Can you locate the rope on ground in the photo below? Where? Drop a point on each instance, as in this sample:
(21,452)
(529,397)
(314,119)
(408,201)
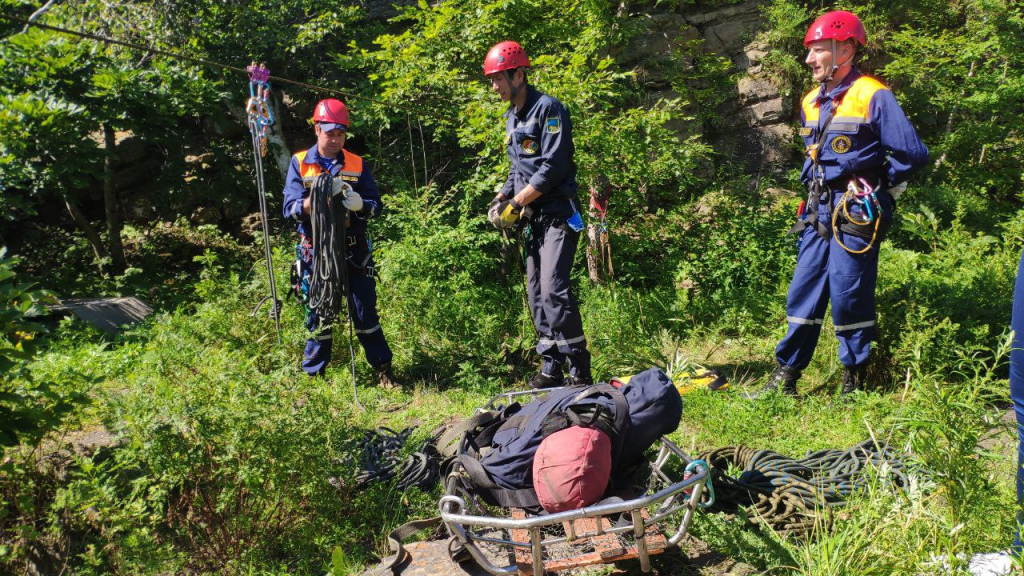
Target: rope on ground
(380,461)
(793,496)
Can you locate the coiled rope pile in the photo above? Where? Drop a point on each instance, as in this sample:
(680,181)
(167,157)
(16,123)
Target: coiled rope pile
(380,461)
(329,281)
(795,497)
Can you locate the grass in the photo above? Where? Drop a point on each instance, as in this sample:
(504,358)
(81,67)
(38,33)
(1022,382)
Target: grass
(225,446)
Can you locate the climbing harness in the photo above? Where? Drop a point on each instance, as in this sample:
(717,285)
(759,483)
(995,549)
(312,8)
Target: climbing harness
(599,205)
(328,285)
(794,496)
(861,193)
(808,213)
(259,118)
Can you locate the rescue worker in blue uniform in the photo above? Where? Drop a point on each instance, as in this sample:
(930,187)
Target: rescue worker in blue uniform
(331,121)
(861,149)
(540,194)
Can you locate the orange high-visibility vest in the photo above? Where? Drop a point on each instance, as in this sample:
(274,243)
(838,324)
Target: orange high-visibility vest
(350,172)
(853,109)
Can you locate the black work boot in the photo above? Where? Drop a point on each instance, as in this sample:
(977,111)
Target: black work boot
(542,380)
(782,381)
(385,379)
(853,379)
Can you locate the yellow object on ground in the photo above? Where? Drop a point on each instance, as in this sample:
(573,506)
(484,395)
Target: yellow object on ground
(712,380)
(687,382)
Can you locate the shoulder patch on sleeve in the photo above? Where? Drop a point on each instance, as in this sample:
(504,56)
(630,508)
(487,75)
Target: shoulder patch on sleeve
(553,125)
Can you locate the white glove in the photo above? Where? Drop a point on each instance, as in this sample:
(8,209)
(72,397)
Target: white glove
(338,186)
(352,201)
(897,190)
(492,214)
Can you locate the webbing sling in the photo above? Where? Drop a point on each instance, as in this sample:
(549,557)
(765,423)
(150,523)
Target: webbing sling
(396,562)
(814,190)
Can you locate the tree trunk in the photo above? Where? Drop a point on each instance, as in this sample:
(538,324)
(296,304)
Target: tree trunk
(98,249)
(275,139)
(111,204)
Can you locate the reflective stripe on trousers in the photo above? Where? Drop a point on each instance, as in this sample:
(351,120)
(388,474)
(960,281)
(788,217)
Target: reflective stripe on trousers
(550,250)
(826,272)
(362,305)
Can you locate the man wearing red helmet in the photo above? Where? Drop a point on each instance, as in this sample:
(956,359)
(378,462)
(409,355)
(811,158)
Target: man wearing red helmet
(861,149)
(331,122)
(541,192)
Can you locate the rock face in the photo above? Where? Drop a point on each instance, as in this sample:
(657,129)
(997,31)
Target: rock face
(756,122)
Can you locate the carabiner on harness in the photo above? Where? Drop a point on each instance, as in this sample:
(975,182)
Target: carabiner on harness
(859,191)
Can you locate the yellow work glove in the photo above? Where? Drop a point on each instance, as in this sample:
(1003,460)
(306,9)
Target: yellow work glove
(508,213)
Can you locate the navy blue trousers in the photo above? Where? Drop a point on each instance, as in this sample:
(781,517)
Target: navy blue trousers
(362,306)
(826,272)
(550,250)
(1017,390)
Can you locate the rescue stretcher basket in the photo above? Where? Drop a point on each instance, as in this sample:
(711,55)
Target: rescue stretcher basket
(507,541)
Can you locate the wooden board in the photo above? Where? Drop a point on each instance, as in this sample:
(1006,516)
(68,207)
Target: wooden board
(607,548)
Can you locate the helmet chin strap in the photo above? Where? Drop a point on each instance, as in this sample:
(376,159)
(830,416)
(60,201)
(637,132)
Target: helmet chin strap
(512,89)
(835,66)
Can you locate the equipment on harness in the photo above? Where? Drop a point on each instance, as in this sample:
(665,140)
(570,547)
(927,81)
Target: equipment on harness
(843,221)
(816,187)
(497,448)
(259,117)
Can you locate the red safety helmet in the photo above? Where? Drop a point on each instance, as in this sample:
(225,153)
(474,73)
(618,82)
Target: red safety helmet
(507,55)
(571,468)
(330,114)
(839,26)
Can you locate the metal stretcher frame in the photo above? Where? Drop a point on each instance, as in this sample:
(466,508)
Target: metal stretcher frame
(458,504)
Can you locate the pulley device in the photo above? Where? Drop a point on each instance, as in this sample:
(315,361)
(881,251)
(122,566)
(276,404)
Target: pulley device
(259,118)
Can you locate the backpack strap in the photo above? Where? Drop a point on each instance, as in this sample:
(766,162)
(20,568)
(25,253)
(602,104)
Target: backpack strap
(449,442)
(621,413)
(491,492)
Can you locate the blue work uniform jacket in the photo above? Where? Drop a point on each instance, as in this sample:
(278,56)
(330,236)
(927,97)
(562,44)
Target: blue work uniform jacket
(538,139)
(307,165)
(870,135)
